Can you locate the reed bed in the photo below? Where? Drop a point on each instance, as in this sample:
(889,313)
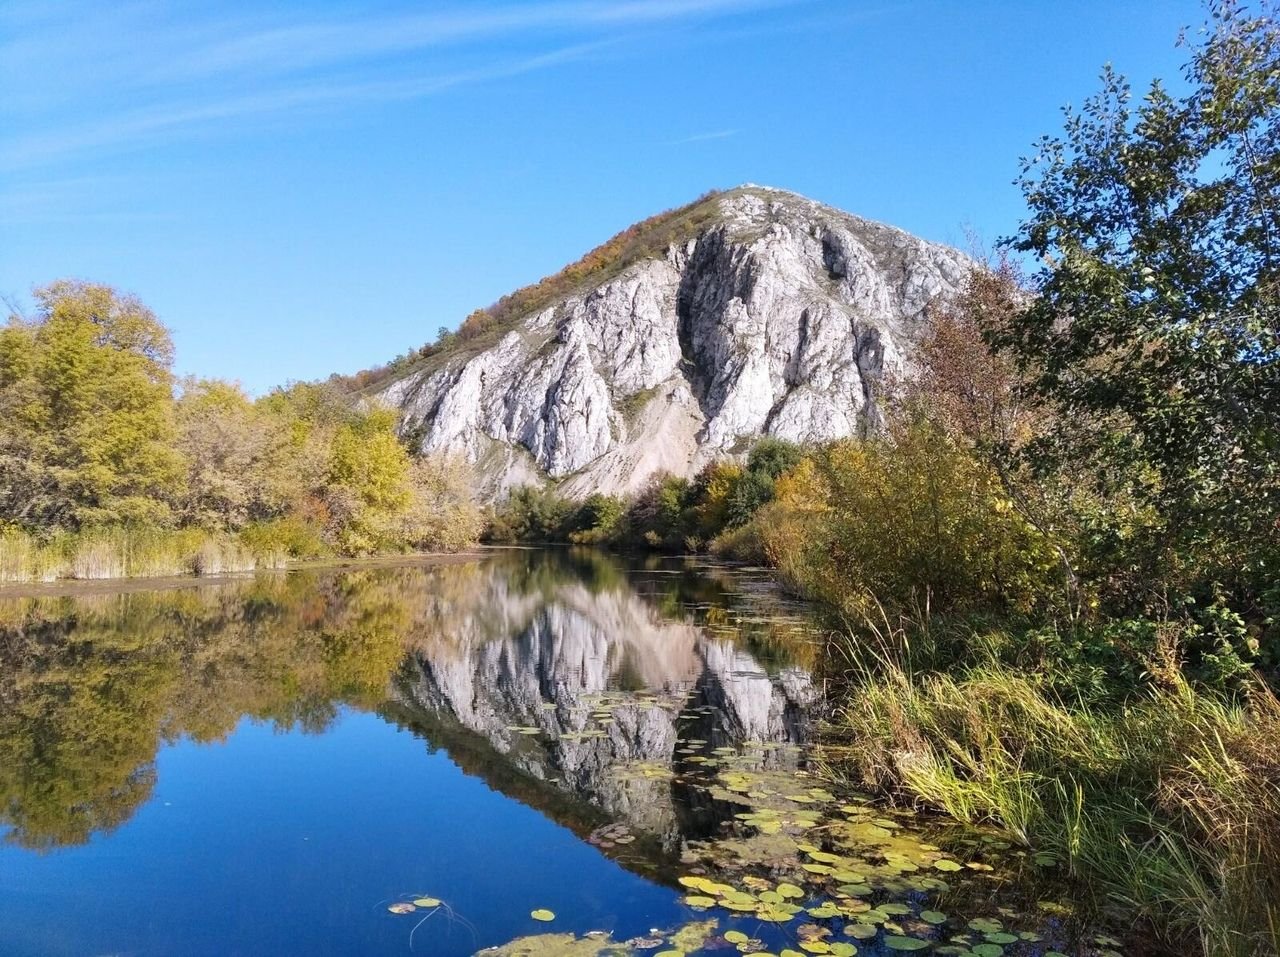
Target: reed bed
(107,553)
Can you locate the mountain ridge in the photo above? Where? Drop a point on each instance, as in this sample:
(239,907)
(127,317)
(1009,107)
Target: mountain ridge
(753,311)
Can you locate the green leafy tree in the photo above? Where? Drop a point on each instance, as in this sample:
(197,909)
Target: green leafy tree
(769,458)
(1154,335)
(88,396)
(367,481)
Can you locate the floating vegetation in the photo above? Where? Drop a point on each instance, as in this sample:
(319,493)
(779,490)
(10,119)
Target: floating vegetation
(799,869)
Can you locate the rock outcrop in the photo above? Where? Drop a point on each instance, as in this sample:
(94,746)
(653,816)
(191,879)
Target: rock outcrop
(778,316)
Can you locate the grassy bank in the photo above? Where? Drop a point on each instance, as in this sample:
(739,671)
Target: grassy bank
(1163,802)
(127,553)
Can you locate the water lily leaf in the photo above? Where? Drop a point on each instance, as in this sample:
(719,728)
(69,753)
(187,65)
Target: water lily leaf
(946,865)
(898,942)
(542,914)
(933,917)
(1001,937)
(736,937)
(988,950)
(986,925)
(427,902)
(402,908)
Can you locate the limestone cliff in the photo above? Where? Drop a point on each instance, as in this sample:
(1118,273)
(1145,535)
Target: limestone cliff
(774,315)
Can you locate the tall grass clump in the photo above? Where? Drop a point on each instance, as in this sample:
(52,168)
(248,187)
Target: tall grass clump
(25,558)
(116,552)
(1163,802)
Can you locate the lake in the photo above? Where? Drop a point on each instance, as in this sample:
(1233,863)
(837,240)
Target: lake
(529,747)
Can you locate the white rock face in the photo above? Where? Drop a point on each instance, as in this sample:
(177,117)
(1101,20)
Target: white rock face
(778,319)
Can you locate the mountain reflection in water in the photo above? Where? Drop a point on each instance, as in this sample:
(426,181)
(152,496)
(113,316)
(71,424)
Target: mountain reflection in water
(569,680)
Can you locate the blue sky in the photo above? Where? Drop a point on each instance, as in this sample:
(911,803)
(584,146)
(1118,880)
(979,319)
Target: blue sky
(307,187)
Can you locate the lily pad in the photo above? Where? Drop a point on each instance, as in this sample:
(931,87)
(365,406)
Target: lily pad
(897,942)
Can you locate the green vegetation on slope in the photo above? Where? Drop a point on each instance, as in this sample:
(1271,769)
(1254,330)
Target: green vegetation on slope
(483,327)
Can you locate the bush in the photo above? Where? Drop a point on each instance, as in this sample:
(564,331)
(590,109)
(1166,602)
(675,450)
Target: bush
(908,519)
(530,513)
(597,521)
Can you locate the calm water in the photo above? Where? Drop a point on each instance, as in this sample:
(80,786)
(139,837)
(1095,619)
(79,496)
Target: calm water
(262,767)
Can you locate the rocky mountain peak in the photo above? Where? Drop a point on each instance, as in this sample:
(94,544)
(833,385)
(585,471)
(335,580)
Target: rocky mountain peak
(750,312)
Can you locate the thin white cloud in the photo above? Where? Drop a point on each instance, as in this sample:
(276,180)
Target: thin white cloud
(705,137)
(305,45)
(104,77)
(141,127)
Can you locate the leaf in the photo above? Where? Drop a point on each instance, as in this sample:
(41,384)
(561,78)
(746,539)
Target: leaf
(896,942)
(542,914)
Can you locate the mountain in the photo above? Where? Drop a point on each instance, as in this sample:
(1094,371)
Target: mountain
(750,312)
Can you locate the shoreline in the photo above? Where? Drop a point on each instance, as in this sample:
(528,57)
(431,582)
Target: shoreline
(72,587)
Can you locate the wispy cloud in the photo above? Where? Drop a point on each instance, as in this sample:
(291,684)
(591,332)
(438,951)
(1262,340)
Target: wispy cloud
(140,127)
(304,45)
(96,77)
(705,137)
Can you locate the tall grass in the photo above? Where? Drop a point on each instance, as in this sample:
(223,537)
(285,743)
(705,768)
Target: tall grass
(1165,806)
(127,553)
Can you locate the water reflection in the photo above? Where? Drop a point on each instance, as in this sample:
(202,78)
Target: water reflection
(593,683)
(569,680)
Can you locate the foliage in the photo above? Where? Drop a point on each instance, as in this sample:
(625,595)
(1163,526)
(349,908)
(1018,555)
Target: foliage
(669,514)
(530,513)
(1167,805)
(660,515)
(597,520)
(85,392)
(1153,335)
(236,455)
(768,459)
(442,512)
(1098,457)
(100,457)
(911,519)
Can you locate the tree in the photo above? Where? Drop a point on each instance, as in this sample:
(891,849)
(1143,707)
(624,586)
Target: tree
(769,458)
(367,481)
(1154,337)
(88,397)
(237,456)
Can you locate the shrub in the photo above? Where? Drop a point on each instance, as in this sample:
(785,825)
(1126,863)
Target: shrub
(597,521)
(907,519)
